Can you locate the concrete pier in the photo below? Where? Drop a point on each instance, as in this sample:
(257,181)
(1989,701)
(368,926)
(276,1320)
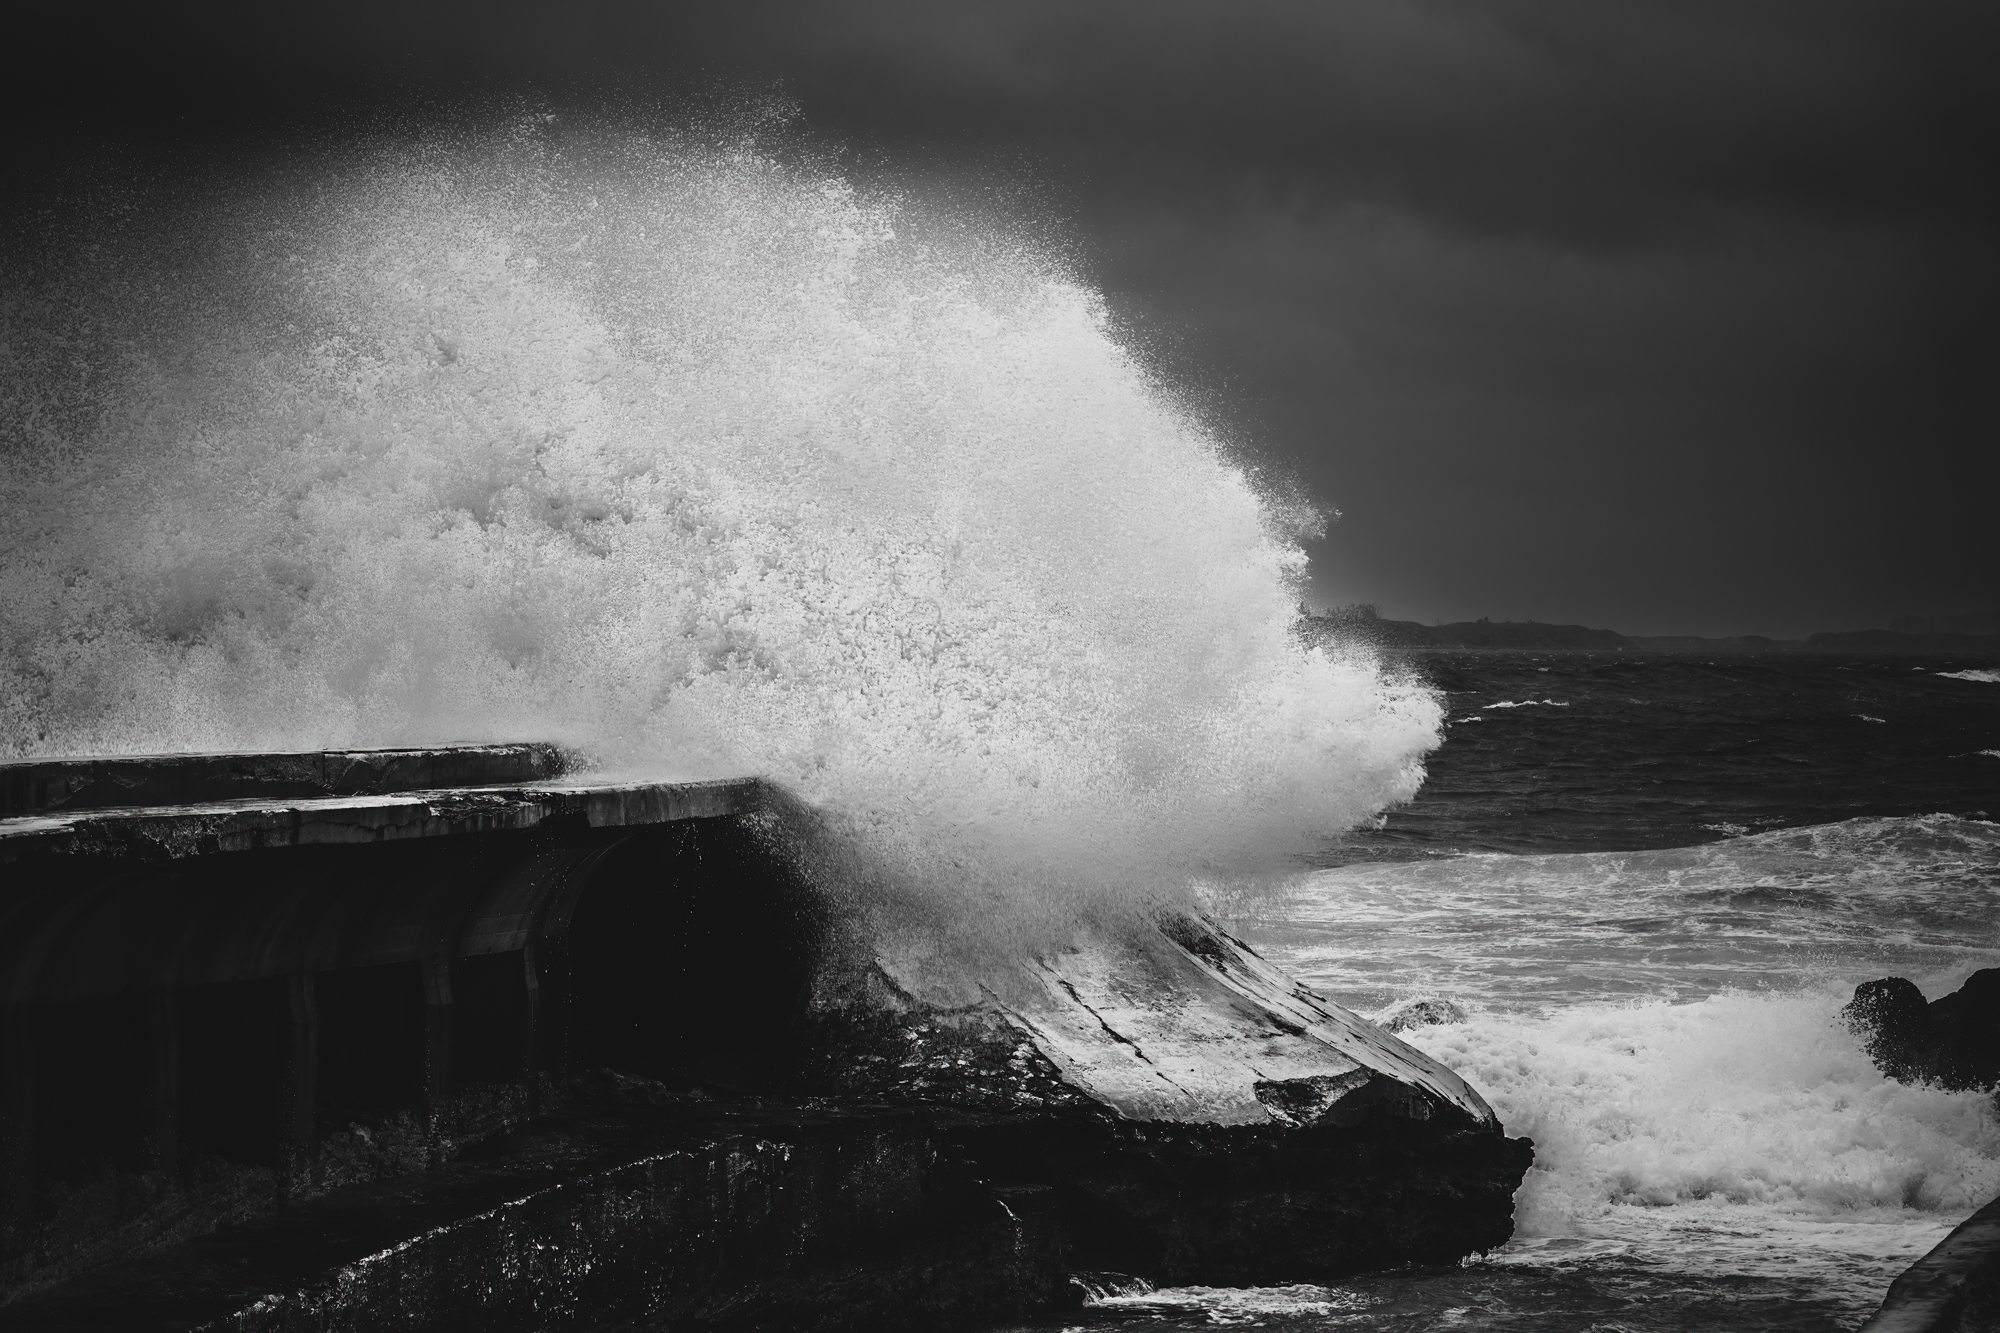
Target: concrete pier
(193,993)
(43,786)
(306,1041)
(1953,1289)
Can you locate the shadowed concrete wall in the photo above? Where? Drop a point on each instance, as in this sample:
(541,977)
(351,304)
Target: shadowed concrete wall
(301,1009)
(209,1008)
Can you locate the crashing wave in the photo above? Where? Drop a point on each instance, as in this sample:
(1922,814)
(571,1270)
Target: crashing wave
(700,460)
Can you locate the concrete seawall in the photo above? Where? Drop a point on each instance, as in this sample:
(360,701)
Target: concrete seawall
(354,1040)
(1953,1289)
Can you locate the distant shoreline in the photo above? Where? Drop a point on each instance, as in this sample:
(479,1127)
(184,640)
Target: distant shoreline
(1509,635)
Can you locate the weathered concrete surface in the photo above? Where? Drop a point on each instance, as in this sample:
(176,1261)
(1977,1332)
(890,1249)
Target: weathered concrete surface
(1953,1289)
(1195,1115)
(164,971)
(1178,1021)
(38,786)
(174,832)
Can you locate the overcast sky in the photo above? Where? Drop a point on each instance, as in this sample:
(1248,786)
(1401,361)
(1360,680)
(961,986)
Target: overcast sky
(1677,317)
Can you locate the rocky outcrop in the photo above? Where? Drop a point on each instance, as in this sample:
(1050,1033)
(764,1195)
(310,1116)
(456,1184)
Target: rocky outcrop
(1185,1111)
(1155,1100)
(1953,1042)
(644,1210)
(1175,1021)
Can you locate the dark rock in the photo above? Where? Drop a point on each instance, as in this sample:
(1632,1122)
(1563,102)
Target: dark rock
(1177,1108)
(1968,1021)
(1188,1203)
(1893,1021)
(1953,1042)
(739,1217)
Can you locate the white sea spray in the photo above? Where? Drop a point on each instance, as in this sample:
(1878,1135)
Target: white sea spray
(700,461)
(1743,1098)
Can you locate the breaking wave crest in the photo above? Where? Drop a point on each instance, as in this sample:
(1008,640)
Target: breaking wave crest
(1739,1098)
(1666,1025)
(698,459)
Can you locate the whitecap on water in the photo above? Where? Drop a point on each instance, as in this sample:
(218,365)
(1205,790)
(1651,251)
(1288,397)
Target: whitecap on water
(1665,1025)
(1736,1099)
(1231,1306)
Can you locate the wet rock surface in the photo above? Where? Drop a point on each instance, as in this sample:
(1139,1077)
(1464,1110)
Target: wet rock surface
(1953,1041)
(641,1207)
(1174,1108)
(920,1166)
(650,1210)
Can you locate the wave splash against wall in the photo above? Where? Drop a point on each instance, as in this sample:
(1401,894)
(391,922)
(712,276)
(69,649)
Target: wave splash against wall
(700,460)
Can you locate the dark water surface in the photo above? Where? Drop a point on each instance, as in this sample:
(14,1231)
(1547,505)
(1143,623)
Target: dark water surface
(1610,751)
(1651,882)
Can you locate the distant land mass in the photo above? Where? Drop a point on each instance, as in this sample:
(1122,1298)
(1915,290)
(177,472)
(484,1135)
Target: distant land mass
(1975,634)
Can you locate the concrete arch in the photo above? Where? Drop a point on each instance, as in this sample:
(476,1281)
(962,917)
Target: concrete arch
(169,997)
(693,963)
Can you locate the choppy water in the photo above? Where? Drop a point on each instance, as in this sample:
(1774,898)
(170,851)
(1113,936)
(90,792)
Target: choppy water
(688,452)
(1714,1152)
(1602,751)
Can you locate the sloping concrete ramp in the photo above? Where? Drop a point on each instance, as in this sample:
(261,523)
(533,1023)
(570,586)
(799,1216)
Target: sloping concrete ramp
(384,1039)
(1953,1289)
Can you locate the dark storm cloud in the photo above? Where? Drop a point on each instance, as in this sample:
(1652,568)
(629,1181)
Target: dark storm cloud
(1673,316)
(1564,118)
(1561,115)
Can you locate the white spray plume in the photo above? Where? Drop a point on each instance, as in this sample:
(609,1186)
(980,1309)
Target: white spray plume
(697,460)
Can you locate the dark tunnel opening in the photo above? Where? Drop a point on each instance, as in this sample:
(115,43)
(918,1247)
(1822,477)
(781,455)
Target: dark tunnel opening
(691,959)
(371,1041)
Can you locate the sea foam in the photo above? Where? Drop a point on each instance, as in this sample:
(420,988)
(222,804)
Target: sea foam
(1666,1026)
(1740,1098)
(698,459)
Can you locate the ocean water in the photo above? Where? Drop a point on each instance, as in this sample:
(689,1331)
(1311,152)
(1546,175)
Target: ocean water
(671,443)
(1651,884)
